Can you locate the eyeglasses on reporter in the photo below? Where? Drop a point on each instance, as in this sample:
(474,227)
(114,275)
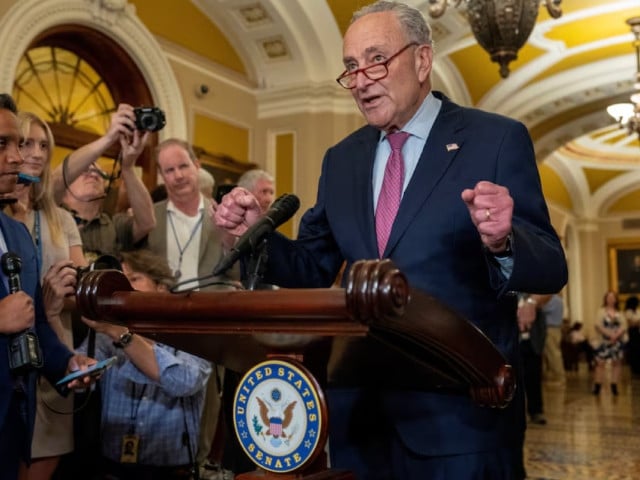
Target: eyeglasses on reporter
(376,71)
(96,170)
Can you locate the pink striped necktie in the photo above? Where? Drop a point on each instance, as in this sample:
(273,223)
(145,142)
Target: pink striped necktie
(391,191)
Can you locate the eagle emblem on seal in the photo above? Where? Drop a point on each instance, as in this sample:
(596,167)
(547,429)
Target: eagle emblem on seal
(276,416)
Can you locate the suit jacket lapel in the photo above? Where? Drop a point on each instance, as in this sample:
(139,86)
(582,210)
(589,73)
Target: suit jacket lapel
(363,189)
(441,148)
(8,233)
(9,240)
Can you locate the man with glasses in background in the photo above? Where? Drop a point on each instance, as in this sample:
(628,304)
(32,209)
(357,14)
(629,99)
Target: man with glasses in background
(452,196)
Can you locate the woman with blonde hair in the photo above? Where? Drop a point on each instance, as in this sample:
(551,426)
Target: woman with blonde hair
(57,241)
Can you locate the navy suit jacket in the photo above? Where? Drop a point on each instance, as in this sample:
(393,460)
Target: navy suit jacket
(55,354)
(435,244)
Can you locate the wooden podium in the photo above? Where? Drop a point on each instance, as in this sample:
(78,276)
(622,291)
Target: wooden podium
(376,324)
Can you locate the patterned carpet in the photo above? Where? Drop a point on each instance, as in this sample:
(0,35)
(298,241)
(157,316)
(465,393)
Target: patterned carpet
(587,437)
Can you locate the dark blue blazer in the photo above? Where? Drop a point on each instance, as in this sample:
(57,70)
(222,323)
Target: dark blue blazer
(55,354)
(434,242)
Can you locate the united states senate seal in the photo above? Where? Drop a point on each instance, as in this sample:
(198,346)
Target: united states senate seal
(280,415)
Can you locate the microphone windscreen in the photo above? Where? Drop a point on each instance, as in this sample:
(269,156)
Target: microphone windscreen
(11,263)
(283,208)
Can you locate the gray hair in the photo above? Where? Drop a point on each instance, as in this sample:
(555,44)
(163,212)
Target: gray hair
(412,20)
(206,182)
(249,179)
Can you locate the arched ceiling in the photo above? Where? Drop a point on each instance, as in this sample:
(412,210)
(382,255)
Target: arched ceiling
(568,72)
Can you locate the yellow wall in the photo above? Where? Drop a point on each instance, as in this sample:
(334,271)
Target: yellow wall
(284,172)
(219,137)
(182,23)
(553,187)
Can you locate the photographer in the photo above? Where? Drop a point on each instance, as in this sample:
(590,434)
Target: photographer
(79,184)
(22,320)
(153,395)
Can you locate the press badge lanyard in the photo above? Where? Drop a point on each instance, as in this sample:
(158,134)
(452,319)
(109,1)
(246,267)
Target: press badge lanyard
(131,441)
(36,234)
(135,406)
(182,249)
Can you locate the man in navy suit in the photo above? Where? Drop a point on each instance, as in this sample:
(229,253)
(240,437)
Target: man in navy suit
(19,311)
(472,229)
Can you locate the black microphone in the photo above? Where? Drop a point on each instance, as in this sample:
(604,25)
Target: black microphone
(11,267)
(281,211)
(24,349)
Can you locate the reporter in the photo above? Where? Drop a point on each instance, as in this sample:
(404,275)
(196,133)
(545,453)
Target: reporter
(152,397)
(56,237)
(21,310)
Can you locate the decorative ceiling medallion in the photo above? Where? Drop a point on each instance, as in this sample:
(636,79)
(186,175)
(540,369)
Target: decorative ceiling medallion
(254,15)
(275,48)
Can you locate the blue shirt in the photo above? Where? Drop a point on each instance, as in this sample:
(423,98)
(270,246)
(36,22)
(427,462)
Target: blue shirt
(155,411)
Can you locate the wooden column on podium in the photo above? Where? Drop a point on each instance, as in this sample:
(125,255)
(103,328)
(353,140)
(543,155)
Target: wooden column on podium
(376,322)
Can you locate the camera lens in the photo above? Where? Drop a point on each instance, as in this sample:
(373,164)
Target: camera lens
(149,118)
(148,122)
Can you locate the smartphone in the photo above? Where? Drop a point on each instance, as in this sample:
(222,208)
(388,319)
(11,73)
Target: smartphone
(93,370)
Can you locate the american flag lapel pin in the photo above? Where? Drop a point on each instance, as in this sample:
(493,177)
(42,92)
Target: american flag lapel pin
(452,146)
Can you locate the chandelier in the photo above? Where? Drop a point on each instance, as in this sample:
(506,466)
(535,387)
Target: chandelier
(501,27)
(628,114)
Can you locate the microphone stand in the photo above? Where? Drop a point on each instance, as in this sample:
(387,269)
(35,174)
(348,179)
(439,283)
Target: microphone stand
(256,265)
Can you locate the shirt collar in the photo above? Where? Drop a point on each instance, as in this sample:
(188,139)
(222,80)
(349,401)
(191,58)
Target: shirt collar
(422,121)
(171,207)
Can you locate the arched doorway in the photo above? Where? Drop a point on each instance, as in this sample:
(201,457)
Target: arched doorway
(74,77)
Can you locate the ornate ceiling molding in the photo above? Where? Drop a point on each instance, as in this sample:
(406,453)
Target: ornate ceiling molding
(305,99)
(613,191)
(574,181)
(281,43)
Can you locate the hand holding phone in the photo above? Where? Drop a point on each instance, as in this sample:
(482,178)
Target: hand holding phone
(94,370)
